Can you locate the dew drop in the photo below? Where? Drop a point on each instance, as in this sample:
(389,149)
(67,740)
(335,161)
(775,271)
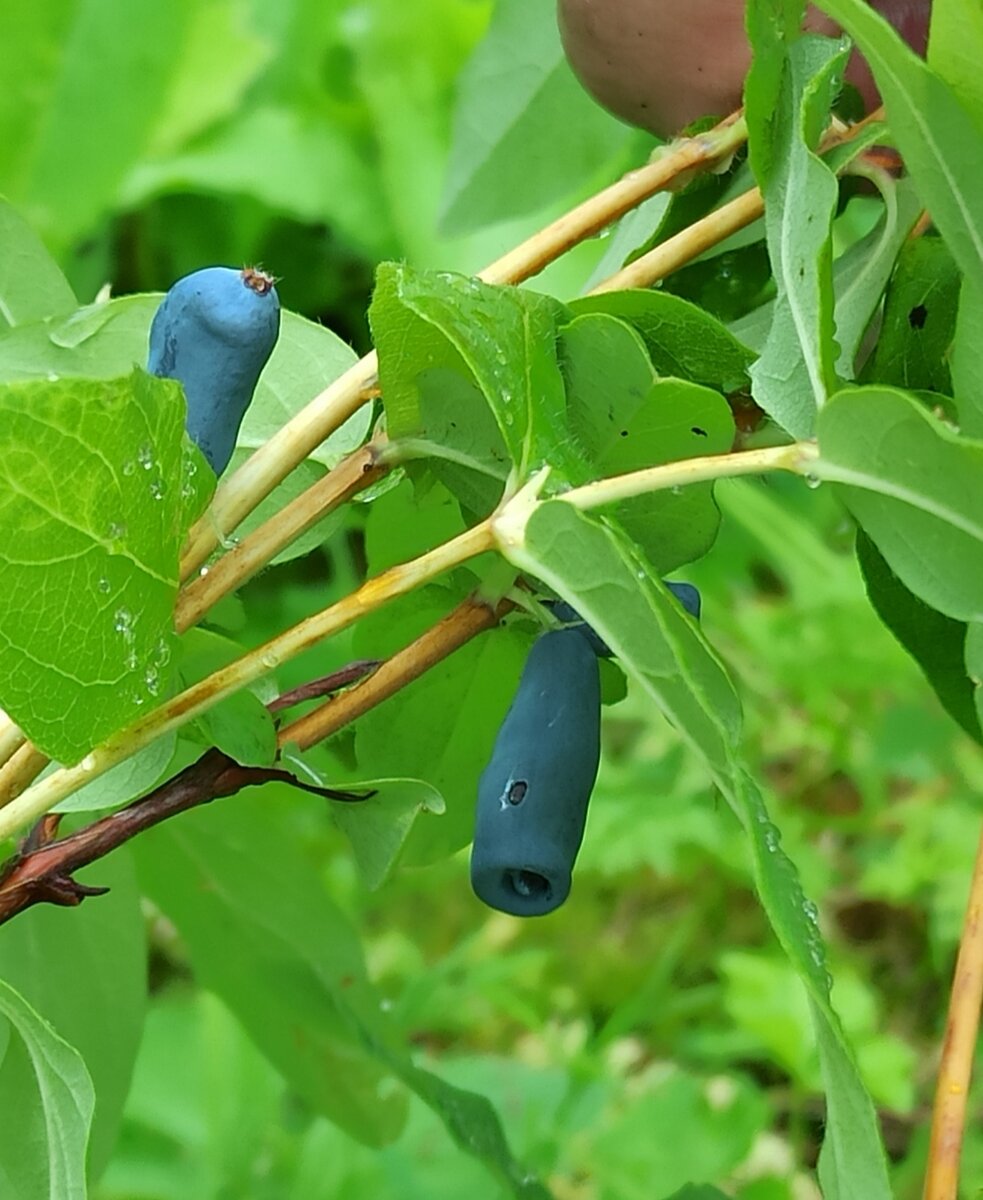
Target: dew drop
(157,489)
(123,621)
(104,585)
(145,456)
(813,481)
(88,763)
(270,660)
(129,467)
(152,679)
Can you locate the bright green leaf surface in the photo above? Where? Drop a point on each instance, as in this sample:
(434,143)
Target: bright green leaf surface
(796,370)
(124,782)
(917,490)
(47,1099)
(378,826)
(625,419)
(524,131)
(87,975)
(681,338)
(504,336)
(32,286)
(240,725)
(92,518)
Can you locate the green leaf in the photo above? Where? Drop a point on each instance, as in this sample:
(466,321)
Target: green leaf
(941,142)
(441,727)
(66,139)
(240,725)
(92,518)
(474,1125)
(861,273)
(126,781)
(378,826)
(974,664)
(915,487)
(919,319)
(682,339)
(625,419)
(859,278)
(967,361)
(955,50)
(525,133)
(32,286)
(263,935)
(88,976)
(220,55)
(505,339)
(936,642)
(797,368)
(47,1098)
(669,657)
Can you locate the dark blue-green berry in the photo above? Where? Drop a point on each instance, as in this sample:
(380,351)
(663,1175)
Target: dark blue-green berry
(532,796)
(213,332)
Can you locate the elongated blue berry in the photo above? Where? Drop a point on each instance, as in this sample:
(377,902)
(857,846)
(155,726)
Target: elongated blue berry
(532,796)
(213,332)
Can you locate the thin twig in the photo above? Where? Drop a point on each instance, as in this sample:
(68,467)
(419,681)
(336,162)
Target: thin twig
(958,1051)
(20,771)
(43,872)
(689,243)
(11,738)
(687,156)
(797,458)
(352,475)
(470,618)
(711,230)
(327,685)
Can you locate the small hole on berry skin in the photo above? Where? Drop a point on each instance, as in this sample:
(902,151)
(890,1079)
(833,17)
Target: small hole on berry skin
(530,885)
(517,792)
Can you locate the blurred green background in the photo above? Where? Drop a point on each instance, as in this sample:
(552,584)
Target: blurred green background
(649,1033)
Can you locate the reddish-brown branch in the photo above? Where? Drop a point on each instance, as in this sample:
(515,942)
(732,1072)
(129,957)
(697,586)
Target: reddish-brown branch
(958,1051)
